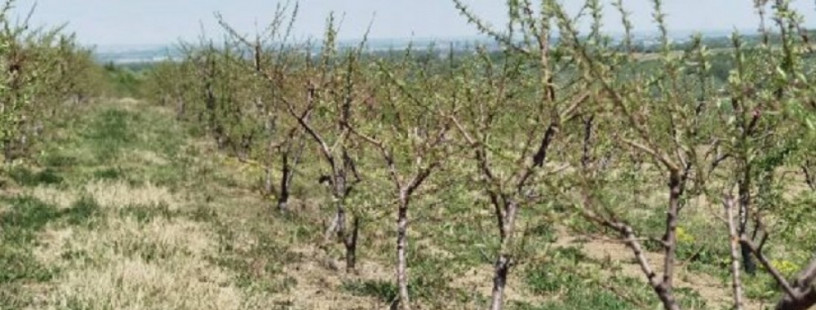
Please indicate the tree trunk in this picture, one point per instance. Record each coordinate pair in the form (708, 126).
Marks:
(501, 268)
(341, 220)
(351, 245)
(283, 196)
(735, 258)
(283, 202)
(402, 244)
(744, 188)
(666, 295)
(503, 261)
(802, 303)
(805, 290)
(337, 228)
(338, 225)
(8, 150)
(665, 290)
(289, 162)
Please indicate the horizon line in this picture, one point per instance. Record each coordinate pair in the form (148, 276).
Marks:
(430, 39)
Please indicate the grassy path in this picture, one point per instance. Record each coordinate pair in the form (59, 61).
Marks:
(123, 212)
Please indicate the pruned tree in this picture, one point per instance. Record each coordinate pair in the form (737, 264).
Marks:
(662, 113)
(205, 60)
(755, 138)
(412, 139)
(772, 122)
(329, 86)
(675, 117)
(273, 61)
(511, 151)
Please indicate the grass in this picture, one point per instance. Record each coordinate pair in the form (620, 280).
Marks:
(97, 224)
(25, 177)
(147, 213)
(385, 291)
(25, 217)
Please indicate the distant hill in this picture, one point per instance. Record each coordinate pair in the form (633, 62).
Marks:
(125, 54)
(129, 54)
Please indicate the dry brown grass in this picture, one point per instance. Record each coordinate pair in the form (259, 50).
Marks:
(61, 198)
(119, 194)
(124, 262)
(130, 265)
(319, 283)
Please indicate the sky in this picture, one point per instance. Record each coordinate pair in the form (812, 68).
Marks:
(148, 22)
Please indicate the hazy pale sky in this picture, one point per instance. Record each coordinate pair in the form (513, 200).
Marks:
(114, 22)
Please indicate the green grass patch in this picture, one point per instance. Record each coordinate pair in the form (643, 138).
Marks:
(26, 217)
(109, 132)
(57, 160)
(385, 291)
(19, 225)
(112, 173)
(82, 212)
(257, 268)
(27, 214)
(26, 177)
(577, 284)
